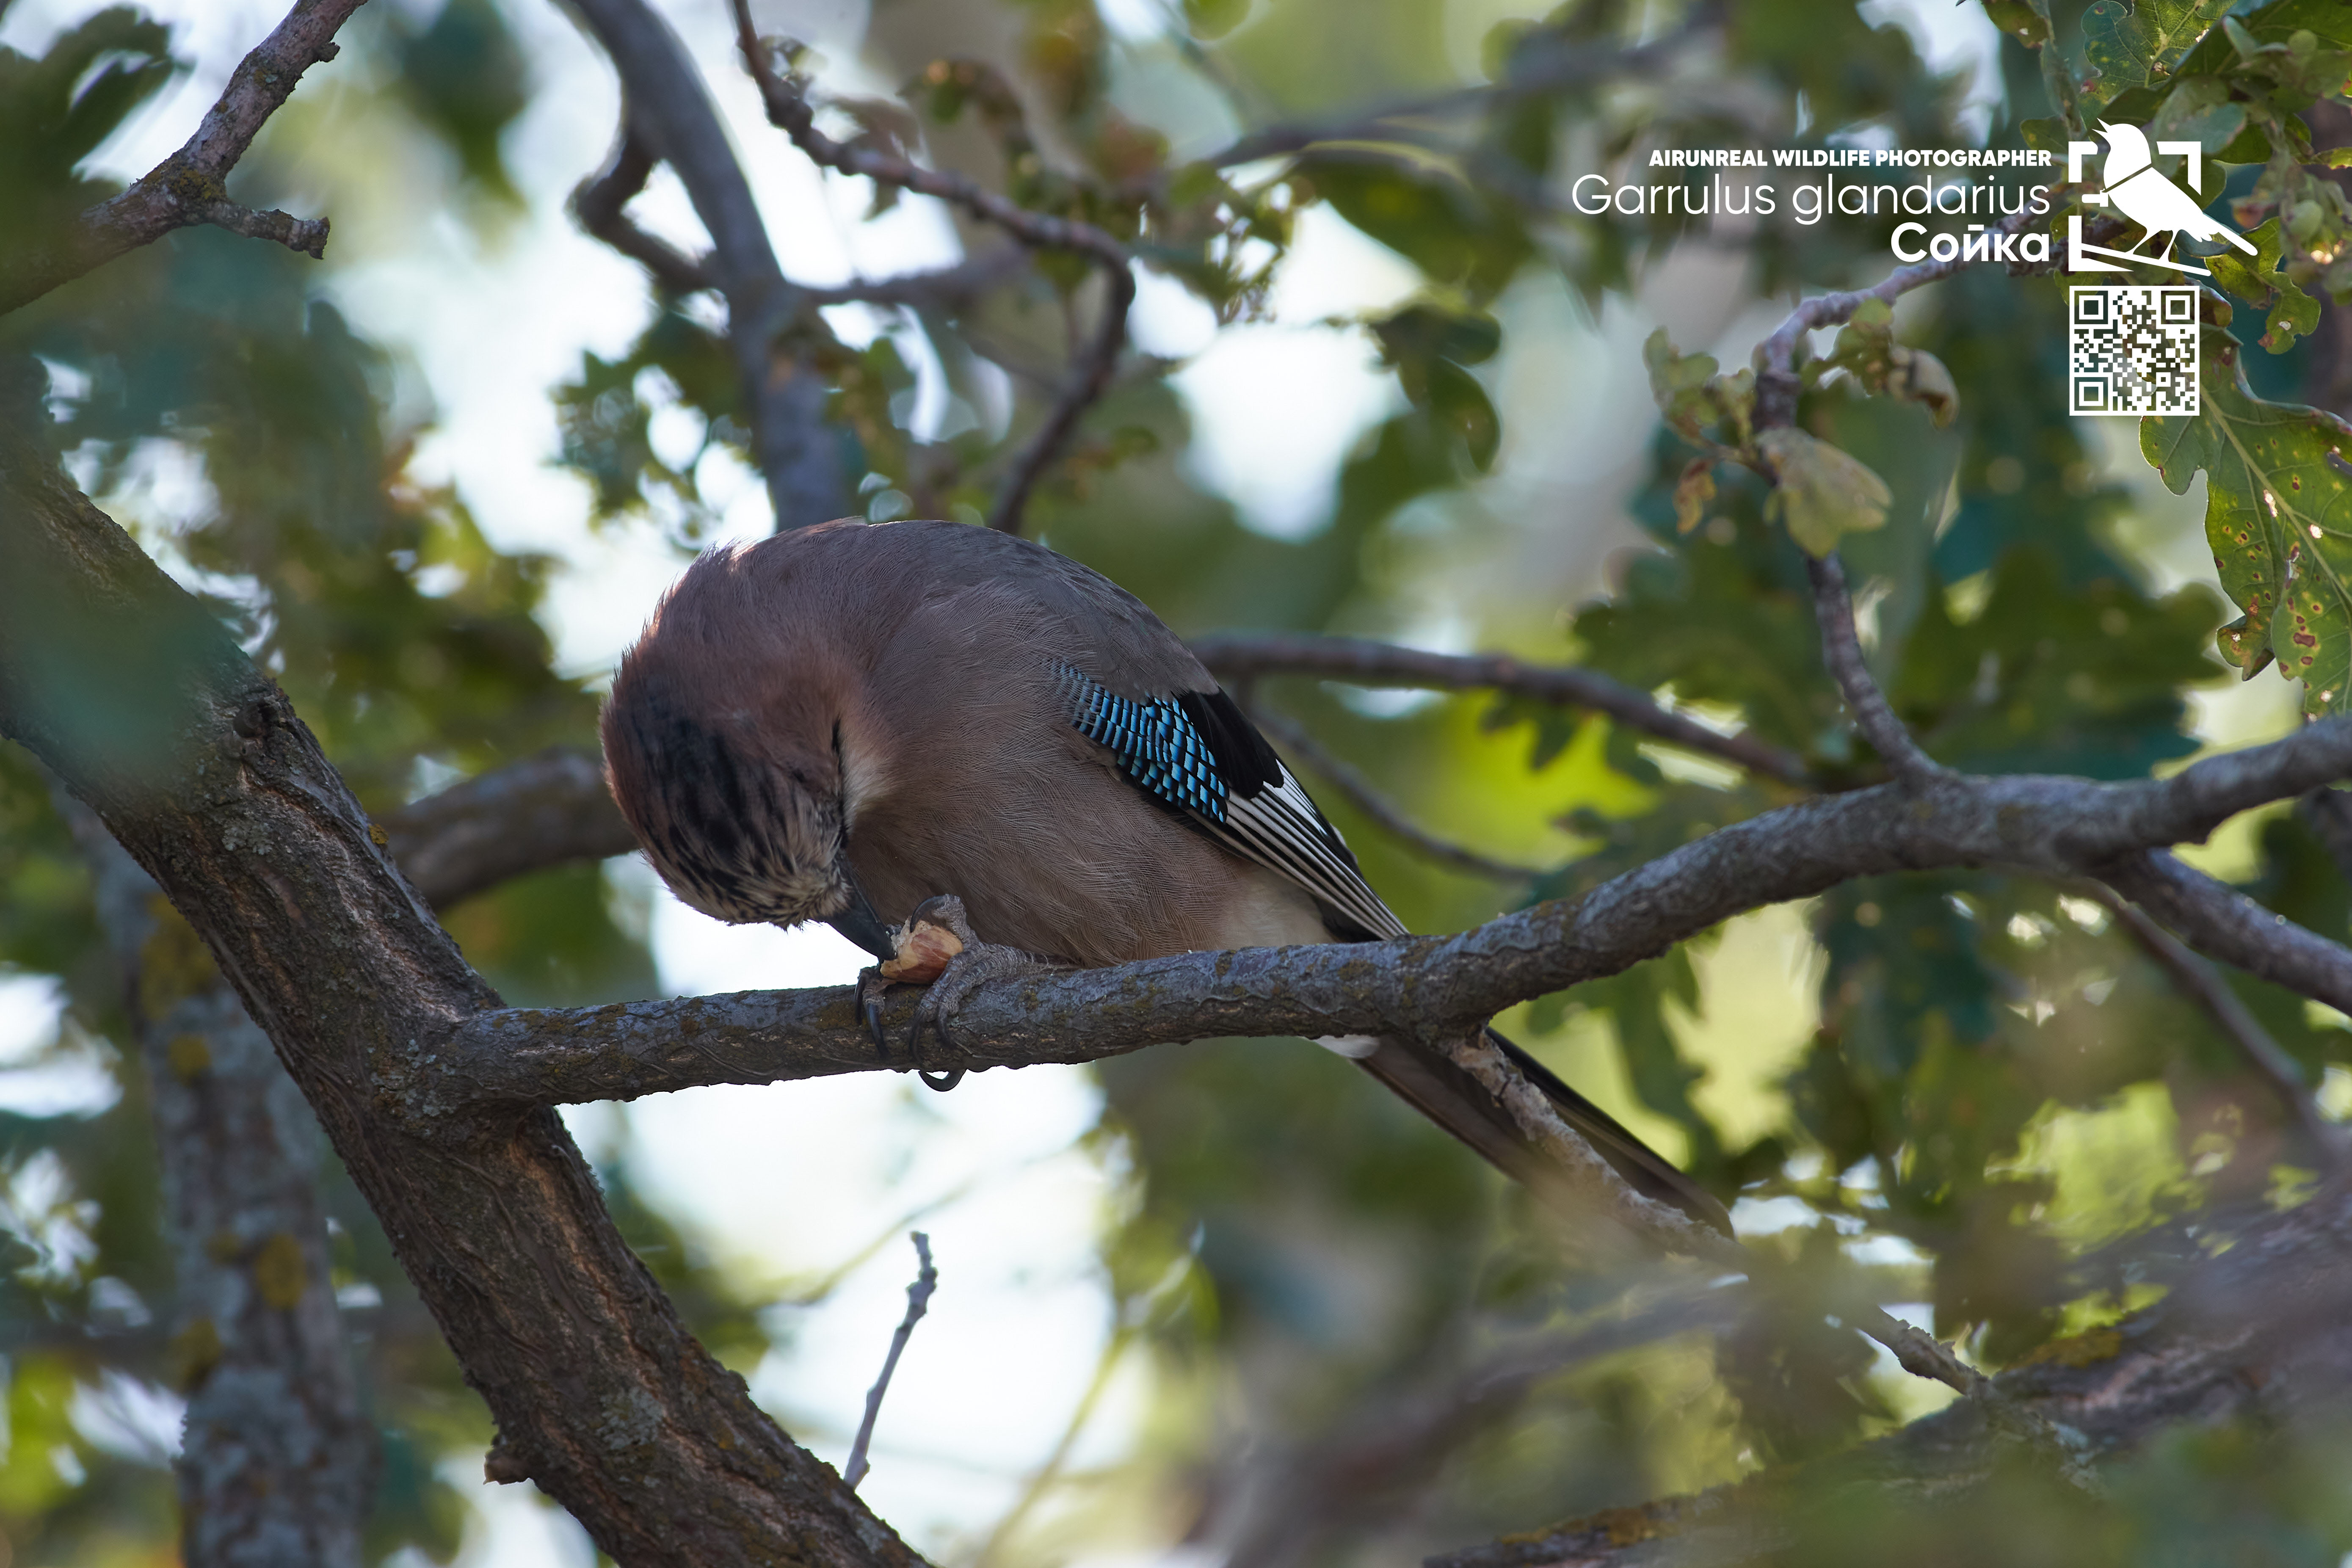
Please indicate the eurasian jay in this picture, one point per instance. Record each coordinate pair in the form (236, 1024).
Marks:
(844, 722)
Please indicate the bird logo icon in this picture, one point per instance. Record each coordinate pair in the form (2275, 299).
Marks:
(2137, 189)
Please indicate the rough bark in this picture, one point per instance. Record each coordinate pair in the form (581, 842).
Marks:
(545, 811)
(278, 1459)
(200, 768)
(1432, 988)
(190, 186)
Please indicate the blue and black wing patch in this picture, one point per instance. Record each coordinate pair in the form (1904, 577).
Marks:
(1196, 754)
(1161, 745)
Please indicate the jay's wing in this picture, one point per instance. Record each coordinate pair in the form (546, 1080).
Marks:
(1197, 754)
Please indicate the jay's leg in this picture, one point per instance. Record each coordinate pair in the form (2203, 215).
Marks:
(938, 946)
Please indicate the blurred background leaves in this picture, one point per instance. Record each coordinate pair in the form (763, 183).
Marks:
(1958, 1087)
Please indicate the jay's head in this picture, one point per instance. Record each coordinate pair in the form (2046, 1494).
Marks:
(723, 743)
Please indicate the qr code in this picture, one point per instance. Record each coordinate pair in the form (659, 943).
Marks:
(2132, 351)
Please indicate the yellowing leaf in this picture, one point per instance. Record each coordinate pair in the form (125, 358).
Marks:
(1692, 493)
(2278, 513)
(1821, 492)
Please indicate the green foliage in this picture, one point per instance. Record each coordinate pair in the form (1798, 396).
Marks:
(2139, 46)
(464, 74)
(2278, 512)
(55, 110)
(1992, 1087)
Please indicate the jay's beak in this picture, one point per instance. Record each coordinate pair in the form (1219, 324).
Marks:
(859, 922)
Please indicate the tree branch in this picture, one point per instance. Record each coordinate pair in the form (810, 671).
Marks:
(789, 111)
(1778, 387)
(1777, 384)
(666, 111)
(547, 811)
(1242, 655)
(1841, 651)
(598, 205)
(2222, 923)
(1566, 64)
(944, 288)
(190, 186)
(1425, 987)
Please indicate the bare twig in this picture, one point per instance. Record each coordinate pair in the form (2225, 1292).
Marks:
(1241, 655)
(790, 112)
(1777, 384)
(1344, 776)
(918, 1301)
(666, 111)
(2203, 985)
(1841, 651)
(189, 186)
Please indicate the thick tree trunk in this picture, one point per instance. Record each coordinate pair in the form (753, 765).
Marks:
(198, 765)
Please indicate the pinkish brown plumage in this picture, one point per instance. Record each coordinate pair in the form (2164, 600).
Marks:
(842, 723)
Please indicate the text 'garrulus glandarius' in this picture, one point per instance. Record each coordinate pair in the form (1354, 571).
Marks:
(843, 723)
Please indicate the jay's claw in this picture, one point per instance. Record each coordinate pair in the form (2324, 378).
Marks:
(939, 946)
(868, 994)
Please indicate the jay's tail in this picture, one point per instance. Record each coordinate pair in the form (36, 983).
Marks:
(1459, 1103)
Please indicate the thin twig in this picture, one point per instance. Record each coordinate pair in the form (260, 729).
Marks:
(190, 186)
(1841, 651)
(1778, 386)
(1240, 656)
(2204, 985)
(918, 1301)
(790, 112)
(1777, 383)
(1344, 776)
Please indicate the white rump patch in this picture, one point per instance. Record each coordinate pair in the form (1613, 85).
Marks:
(1355, 1048)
